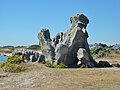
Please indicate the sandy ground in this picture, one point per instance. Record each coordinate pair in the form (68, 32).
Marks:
(39, 77)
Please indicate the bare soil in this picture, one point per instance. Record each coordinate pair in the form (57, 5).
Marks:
(39, 77)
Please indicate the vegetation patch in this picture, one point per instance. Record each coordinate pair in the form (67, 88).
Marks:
(103, 51)
(35, 47)
(14, 64)
(50, 65)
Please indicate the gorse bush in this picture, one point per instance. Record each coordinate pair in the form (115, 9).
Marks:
(13, 64)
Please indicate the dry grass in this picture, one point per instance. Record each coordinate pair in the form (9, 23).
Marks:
(39, 77)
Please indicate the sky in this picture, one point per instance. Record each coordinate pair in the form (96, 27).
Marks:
(21, 20)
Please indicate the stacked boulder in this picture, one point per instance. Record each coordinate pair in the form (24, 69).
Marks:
(70, 48)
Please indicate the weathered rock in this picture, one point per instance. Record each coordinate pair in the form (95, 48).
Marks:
(74, 38)
(79, 20)
(61, 54)
(45, 43)
(44, 38)
(103, 64)
(34, 59)
(41, 59)
(84, 59)
(64, 47)
(57, 39)
(116, 65)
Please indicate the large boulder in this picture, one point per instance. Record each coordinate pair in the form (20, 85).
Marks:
(74, 38)
(45, 43)
(41, 59)
(103, 64)
(44, 38)
(64, 47)
(115, 65)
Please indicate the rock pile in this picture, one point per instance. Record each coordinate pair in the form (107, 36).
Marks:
(70, 48)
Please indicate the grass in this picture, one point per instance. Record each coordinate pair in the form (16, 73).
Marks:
(39, 77)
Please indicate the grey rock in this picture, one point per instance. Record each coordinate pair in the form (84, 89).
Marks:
(64, 47)
(45, 42)
(57, 39)
(41, 59)
(79, 20)
(84, 59)
(34, 59)
(44, 38)
(61, 54)
(116, 65)
(74, 38)
(102, 64)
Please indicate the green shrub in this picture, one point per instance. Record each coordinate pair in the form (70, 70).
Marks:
(49, 64)
(99, 51)
(13, 68)
(13, 60)
(13, 64)
(100, 54)
(61, 65)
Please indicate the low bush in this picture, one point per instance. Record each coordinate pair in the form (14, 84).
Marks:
(14, 68)
(13, 64)
(99, 51)
(61, 65)
(49, 64)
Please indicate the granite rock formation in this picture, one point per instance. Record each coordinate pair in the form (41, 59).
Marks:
(84, 59)
(45, 43)
(65, 46)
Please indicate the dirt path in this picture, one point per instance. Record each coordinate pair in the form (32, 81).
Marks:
(39, 77)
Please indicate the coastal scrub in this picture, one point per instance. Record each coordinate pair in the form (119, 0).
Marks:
(14, 64)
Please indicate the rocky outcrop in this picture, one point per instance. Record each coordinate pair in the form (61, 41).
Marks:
(103, 64)
(115, 65)
(64, 47)
(45, 43)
